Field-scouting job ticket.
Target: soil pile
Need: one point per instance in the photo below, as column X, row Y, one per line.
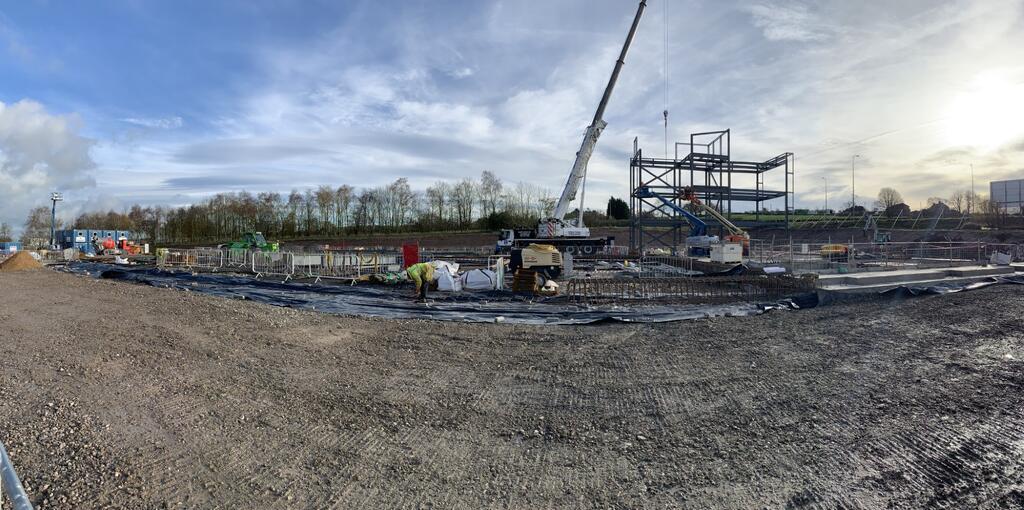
column 21, row 261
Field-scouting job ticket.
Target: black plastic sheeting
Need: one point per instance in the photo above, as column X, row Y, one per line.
column 949, row 288
column 397, row 301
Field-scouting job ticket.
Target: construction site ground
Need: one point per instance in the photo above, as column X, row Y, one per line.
column 128, row 396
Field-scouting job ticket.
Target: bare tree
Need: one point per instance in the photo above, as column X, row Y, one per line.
column 490, row 193
column 5, row 233
column 342, row 203
column 437, row 201
column 363, row 207
column 888, row 197
column 37, row 226
column 294, row 208
column 402, row 202
column 973, row 202
column 463, row 197
column 995, row 214
column 325, row 206
column 958, row 201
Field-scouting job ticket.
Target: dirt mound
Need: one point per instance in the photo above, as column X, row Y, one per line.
column 21, row 261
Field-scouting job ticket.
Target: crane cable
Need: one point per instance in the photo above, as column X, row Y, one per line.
column 664, row 65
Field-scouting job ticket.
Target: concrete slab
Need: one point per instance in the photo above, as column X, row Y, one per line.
column 980, row 270
column 874, row 277
column 880, row 287
column 880, row 281
column 912, row 275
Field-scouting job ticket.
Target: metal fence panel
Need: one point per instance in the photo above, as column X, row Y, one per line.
column 237, row 257
column 349, row 263
column 10, row 484
column 273, row 264
column 208, row 258
column 860, row 257
column 170, row 257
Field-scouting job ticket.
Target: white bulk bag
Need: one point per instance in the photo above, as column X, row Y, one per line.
column 446, row 281
column 480, row 279
column 440, row 265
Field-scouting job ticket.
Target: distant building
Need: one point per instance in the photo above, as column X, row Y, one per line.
column 1008, row 194
column 87, row 240
column 9, row 247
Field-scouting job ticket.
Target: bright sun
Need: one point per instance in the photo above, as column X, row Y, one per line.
column 988, row 114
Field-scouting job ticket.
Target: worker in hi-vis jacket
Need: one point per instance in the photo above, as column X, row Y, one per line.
column 422, row 275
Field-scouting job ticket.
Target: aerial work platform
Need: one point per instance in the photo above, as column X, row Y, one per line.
column 705, row 165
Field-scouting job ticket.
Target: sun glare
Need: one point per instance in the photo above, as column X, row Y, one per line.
column 988, row 114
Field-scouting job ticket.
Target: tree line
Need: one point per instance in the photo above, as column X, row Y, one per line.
column 486, row 203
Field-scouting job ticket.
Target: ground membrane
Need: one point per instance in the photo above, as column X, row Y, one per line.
column 397, row 301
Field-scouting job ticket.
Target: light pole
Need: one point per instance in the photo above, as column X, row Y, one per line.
column 825, row 177
column 970, row 203
column 853, row 181
column 54, row 197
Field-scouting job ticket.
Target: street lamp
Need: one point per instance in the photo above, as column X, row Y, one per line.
column 970, row 203
column 54, row 197
column 825, row 177
column 853, row 181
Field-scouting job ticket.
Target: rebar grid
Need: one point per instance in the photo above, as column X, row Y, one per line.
column 691, row 290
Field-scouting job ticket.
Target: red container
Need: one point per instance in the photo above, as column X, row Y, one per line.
column 410, row 255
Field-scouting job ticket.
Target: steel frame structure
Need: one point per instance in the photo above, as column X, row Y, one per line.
column 708, row 169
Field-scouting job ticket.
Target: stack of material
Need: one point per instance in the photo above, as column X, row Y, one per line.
column 525, row 282
column 21, row 261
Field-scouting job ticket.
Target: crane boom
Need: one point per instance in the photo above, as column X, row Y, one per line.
column 579, row 168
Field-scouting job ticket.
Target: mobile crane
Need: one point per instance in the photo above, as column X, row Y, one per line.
column 554, row 230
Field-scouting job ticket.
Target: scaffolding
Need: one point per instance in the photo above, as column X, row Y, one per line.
column 708, row 169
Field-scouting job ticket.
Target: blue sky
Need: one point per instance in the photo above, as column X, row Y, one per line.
column 168, row 102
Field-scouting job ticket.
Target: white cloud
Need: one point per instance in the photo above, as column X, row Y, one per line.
column 788, row 22
column 174, row 122
column 39, row 152
column 462, row 72
column 866, row 78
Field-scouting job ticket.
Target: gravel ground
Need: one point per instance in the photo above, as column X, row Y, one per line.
column 126, row 396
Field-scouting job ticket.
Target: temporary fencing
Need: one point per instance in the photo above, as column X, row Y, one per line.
column 860, row 257
column 52, row 256
column 469, row 257
column 666, row 266
column 696, row 289
column 237, row 257
column 319, row 264
column 168, row 257
column 208, row 258
column 348, row 264
column 273, row 264
column 10, row 484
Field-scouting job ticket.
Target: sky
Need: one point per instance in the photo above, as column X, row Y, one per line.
column 135, row 101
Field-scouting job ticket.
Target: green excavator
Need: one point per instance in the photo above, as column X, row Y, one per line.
column 252, row 241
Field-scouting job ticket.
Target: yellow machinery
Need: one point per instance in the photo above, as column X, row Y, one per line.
column 545, row 259
column 838, row 252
